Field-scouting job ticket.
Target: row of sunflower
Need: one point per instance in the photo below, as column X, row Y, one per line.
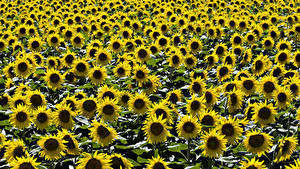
column 156, row 84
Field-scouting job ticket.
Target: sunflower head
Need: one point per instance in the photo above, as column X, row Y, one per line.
column 258, row 142
column 214, row 144
column 102, row 133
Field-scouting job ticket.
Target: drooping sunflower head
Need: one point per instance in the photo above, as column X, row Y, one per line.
column 214, row 144
column 70, row 142
column 287, row 146
column 53, row 147
column 258, row 142
column 102, row 133
column 118, row 161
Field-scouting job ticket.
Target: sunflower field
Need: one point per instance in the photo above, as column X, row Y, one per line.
column 155, row 84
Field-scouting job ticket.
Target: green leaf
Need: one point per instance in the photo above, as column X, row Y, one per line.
column 122, row 147
column 178, row 147
column 4, row 123
column 138, row 151
column 142, row 160
column 41, row 167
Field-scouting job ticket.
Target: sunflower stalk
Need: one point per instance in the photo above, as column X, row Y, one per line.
column 188, row 155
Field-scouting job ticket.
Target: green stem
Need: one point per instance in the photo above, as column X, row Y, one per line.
column 188, row 155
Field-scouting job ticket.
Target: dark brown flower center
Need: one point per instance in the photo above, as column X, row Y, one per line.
column 108, row 94
column 21, row 116
column 282, row 97
column 142, row 53
column 42, row 117
column 223, row 71
column 121, row 71
column 54, row 78
column 36, row 100
column 258, row 65
column 116, row 45
column 77, row 40
column 248, row 84
column 158, row 165
column 269, row 87
column 208, row 97
column 237, row 40
column 195, row 105
column 195, row 45
column 188, row 127
column 3, row 101
column 35, row 44
column 233, row 99
column 140, row 74
column 18, row 152
column 264, row 113
column 102, row 57
column 117, row 163
column 282, row 57
column 103, row 132
column 54, row 39
column 196, row 87
column 228, row 130
column 26, row 165
column 160, row 112
column 108, row 110
column 220, row 50
column 89, row 105
column 208, row 120
column 64, row 116
column 125, row 99
column 213, row 143
column 51, row 144
column 256, row 141
column 286, row 146
column 81, row 67
column 22, row 66
column 162, row 42
column 173, row 98
column 93, row 163
column 156, row 128
column 139, row 103
column 97, row 74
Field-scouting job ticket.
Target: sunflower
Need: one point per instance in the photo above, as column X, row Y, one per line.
column 139, row 103
column 230, row 129
column 277, row 71
column 109, row 92
column 268, row 43
column 35, row 99
column 53, row 147
column 293, row 84
column 8, row 70
column 283, row 44
column 25, row 163
column 108, row 109
column 190, row 61
column 157, row 162
column 71, row 143
column 208, row 119
column 210, row 97
column 236, row 39
column 2, row 139
column 77, row 40
column 68, row 58
column 214, row 144
column 21, row 30
column 52, row 62
column 250, row 37
column 53, row 40
column 97, row 75
column 35, row 44
column 124, row 97
column 156, row 129
column 20, row 118
column 224, row 72
column 282, row 96
column 231, row 58
column 15, row 150
column 142, row 54
column 3, row 45
column 296, row 59
column 42, row 117
column 287, row 146
column 122, row 69
column 151, row 85
column 257, row 142
column 211, row 60
column 197, row 86
column 68, row 33
column 220, row 49
column 294, row 166
column 162, row 42
column 118, row 162
column 174, row 96
column 63, row 116
column 94, row 161
column 194, row 45
column 116, row 45
column 261, row 64
column 188, row 127
column 248, row 85
column 195, row 105
column 22, row 68
column 102, row 133
column 268, row 85
column 54, row 79
column 264, row 113
column 141, row 73
column 88, row 106
column 4, row 100
column 282, row 57
column 161, row 109
column 80, row 67
column 253, row 163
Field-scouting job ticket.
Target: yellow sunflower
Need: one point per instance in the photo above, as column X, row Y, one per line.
column 213, row 145
column 248, row 85
column 282, row 96
column 15, row 149
column 42, row 117
column 22, row 68
column 224, row 72
column 174, row 96
column 122, row 69
column 268, row 85
column 264, row 113
column 63, row 116
column 54, row 79
column 197, row 86
column 95, row 160
column 20, row 118
column 230, row 129
column 208, row 120
column 287, row 146
column 97, row 75
column 102, row 133
column 210, row 97
column 25, row 163
column 253, row 163
column 103, row 56
column 36, row 99
column 108, row 109
column 156, row 129
column 53, row 147
column 35, row 44
column 80, row 67
column 141, row 73
column 235, row 100
column 142, row 54
column 195, row 105
column 188, row 127
column 139, row 103
column 257, row 142
column 71, row 142
column 106, row 91
column 161, row 109
column 124, row 97
column 157, row 162
column 294, row 166
column 88, row 106
column 118, row 161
